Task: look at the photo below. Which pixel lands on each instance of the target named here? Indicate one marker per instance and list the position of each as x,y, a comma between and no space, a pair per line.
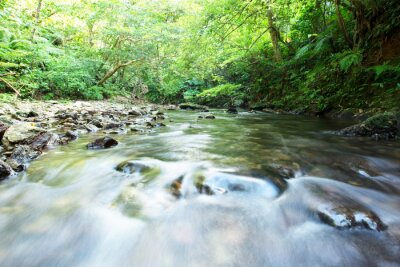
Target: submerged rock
222,183
5,170
130,167
102,143
379,126
343,217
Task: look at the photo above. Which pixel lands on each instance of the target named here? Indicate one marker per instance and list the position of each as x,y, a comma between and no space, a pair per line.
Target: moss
383,120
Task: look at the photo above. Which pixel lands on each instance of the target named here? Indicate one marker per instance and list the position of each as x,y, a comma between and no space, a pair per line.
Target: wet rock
24,154
5,170
343,217
380,126
209,117
21,133
135,112
97,123
221,183
130,167
15,165
191,106
44,140
71,135
103,143
232,110
115,131
157,113
112,125
176,187
21,156
91,128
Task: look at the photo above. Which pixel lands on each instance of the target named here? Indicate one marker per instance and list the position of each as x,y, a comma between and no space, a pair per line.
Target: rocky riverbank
28,128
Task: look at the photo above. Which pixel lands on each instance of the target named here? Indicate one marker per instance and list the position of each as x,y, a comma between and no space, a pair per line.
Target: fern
352,58
303,51
380,69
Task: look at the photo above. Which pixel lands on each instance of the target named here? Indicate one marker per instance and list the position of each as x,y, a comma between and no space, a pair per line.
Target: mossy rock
381,121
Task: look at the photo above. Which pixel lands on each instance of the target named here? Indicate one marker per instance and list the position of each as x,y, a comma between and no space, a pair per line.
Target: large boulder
5,170
102,143
21,133
379,126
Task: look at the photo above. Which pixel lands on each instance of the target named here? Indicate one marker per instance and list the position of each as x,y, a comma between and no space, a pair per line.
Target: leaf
350,60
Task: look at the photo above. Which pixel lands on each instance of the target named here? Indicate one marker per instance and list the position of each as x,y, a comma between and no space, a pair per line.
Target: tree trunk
342,24
273,32
114,70
37,17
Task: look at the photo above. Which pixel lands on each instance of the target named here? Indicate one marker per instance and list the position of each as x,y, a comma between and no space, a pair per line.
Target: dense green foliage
294,54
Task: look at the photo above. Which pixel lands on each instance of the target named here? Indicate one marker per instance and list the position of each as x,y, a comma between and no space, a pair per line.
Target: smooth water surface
72,208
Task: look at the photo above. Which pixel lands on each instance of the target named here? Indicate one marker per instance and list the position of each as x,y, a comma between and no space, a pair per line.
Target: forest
304,55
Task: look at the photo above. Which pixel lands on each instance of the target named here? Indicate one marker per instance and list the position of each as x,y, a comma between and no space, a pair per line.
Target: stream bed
247,189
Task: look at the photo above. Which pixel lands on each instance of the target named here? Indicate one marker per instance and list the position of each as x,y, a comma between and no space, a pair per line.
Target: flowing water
270,175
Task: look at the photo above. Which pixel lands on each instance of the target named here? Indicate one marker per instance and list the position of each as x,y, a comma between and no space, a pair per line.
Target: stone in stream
130,167
71,135
175,187
112,125
44,140
103,143
21,133
344,217
379,126
218,183
5,170
24,154
96,123
91,128
210,116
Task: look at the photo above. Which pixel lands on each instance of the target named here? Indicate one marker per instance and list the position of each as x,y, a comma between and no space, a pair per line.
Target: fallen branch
9,85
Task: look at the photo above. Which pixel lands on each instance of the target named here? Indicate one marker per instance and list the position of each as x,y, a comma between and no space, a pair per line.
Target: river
268,177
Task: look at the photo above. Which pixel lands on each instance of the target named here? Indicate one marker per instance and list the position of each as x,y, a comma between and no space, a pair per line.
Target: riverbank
27,128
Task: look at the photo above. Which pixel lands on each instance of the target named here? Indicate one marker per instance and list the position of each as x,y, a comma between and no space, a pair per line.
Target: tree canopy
306,54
